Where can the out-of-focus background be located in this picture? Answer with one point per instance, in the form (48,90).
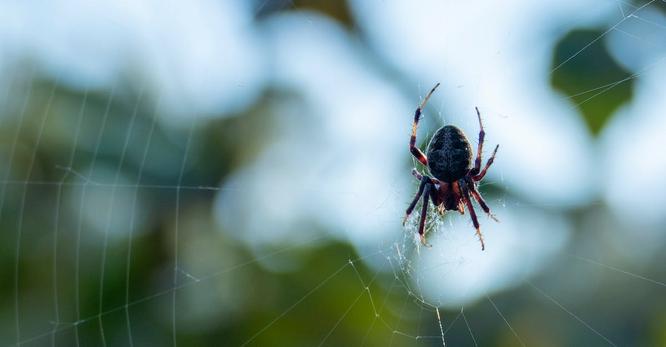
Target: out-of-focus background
(235,173)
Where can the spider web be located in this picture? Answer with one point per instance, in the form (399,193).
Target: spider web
(84,252)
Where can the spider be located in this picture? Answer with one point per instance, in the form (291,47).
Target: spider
(449,161)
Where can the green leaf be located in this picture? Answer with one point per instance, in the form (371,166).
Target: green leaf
(586,73)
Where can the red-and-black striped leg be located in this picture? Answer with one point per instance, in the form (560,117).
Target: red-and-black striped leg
(424,213)
(472,215)
(479,199)
(482,174)
(416,152)
(479,150)
(439,189)
(418,176)
(422,186)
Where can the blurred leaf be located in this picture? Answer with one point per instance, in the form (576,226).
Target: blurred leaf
(338,10)
(595,83)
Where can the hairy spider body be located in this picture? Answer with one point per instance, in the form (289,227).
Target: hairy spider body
(454,180)
(449,154)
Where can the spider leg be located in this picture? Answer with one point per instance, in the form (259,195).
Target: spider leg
(479,176)
(479,150)
(479,199)
(416,152)
(435,193)
(424,180)
(424,212)
(419,176)
(472,214)
(426,190)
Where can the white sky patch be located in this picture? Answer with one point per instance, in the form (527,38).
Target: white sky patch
(455,272)
(265,202)
(638,44)
(201,57)
(340,163)
(634,165)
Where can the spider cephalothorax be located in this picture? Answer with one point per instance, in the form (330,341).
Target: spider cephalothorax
(449,160)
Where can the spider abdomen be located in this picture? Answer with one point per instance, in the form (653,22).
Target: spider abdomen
(449,154)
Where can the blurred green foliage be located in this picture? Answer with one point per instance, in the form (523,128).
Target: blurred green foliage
(588,75)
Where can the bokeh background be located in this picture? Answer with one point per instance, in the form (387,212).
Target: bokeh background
(235,173)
